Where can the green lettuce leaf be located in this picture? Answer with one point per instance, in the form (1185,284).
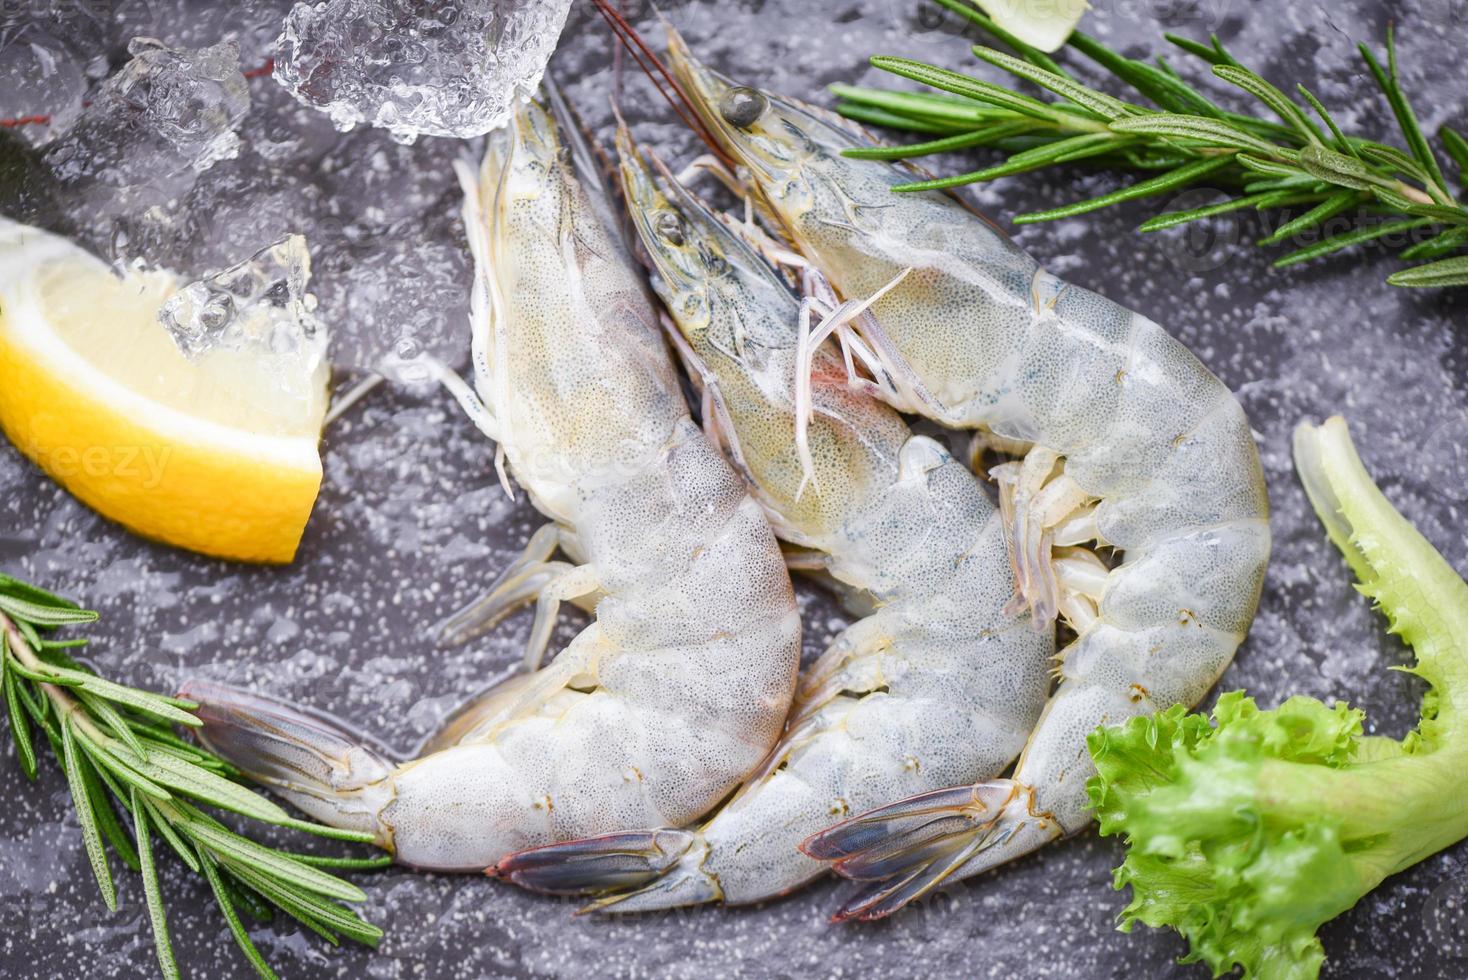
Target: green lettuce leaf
(1248,830)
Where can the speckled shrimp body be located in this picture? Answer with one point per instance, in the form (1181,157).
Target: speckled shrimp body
(937,685)
(1135,446)
(679,686)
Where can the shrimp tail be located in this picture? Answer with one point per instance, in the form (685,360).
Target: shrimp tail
(906,849)
(637,871)
(315,764)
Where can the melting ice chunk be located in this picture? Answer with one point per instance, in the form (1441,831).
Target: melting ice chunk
(165,116)
(258,304)
(256,317)
(41,83)
(416,68)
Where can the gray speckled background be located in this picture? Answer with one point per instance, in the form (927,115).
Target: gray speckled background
(411,523)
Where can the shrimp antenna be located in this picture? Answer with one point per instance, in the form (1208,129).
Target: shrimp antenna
(618,64)
(661,77)
(652,66)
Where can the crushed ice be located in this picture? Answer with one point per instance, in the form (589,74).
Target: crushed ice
(258,316)
(166,116)
(260,304)
(414,68)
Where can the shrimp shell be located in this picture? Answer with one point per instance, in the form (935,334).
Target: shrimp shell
(678,688)
(1135,446)
(937,684)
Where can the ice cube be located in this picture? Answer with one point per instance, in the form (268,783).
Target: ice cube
(163,118)
(252,330)
(416,68)
(259,305)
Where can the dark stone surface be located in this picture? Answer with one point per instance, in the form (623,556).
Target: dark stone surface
(411,522)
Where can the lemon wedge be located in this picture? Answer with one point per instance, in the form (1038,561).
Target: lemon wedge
(1043,24)
(215,450)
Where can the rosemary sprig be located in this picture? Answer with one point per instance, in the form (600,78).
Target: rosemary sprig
(122,760)
(1181,136)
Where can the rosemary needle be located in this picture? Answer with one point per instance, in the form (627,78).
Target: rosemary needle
(122,760)
(1292,155)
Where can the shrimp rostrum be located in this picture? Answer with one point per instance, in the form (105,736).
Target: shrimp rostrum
(938,684)
(679,686)
(1134,447)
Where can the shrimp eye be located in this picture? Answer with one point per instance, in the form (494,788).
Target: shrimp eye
(669,227)
(741,106)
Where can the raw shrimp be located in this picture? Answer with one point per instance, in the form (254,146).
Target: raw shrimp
(679,687)
(938,684)
(1134,446)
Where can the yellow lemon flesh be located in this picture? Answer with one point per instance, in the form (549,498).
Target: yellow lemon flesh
(216,453)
